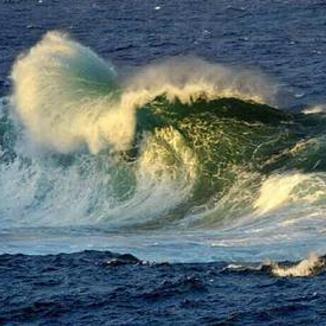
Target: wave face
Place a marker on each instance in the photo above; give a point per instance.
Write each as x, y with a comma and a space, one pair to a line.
180, 146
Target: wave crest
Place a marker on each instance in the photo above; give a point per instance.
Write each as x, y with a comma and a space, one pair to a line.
67, 96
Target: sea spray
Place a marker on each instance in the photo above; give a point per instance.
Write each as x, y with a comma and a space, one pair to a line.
67, 96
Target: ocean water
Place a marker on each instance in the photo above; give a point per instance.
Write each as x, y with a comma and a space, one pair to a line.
189, 135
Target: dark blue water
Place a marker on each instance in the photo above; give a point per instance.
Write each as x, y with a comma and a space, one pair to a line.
94, 288
284, 39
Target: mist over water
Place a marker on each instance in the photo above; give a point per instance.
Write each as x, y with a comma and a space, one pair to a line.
184, 160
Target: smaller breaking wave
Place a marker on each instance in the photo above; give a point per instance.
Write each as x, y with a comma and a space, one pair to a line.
307, 267
311, 266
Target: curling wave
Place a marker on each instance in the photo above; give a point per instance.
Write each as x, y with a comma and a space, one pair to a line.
181, 143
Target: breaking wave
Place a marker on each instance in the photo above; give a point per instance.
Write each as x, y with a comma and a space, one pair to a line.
308, 267
182, 143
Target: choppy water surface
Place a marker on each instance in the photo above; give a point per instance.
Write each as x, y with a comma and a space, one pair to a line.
187, 133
